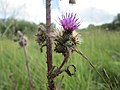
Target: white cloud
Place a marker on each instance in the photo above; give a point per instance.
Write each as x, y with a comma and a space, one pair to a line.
34, 10
111, 6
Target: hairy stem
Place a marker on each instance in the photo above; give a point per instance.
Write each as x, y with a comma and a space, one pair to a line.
51, 85
110, 83
28, 69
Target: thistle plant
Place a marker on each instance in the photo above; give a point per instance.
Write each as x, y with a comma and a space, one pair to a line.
64, 42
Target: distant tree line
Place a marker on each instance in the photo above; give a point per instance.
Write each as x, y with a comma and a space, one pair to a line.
9, 27
114, 25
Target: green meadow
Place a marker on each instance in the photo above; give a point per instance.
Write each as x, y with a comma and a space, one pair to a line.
100, 46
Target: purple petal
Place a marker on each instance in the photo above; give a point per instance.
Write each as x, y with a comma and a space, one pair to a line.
69, 21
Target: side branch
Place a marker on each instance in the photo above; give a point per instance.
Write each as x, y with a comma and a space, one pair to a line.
64, 61
59, 70
79, 52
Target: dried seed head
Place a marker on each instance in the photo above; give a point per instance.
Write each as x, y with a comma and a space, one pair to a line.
22, 40
41, 27
41, 35
19, 33
64, 42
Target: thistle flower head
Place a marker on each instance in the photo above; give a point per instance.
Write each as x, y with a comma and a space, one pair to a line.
69, 22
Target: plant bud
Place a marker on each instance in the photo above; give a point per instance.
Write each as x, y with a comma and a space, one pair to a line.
72, 2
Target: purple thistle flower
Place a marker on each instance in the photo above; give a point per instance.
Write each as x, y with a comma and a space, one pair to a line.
69, 22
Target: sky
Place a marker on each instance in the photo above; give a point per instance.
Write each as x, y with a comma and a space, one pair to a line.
89, 11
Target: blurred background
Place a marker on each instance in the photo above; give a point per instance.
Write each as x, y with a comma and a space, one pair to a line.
99, 30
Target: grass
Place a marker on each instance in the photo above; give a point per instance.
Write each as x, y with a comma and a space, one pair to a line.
101, 47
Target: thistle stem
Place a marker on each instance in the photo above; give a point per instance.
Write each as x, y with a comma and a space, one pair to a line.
28, 69
51, 85
79, 52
